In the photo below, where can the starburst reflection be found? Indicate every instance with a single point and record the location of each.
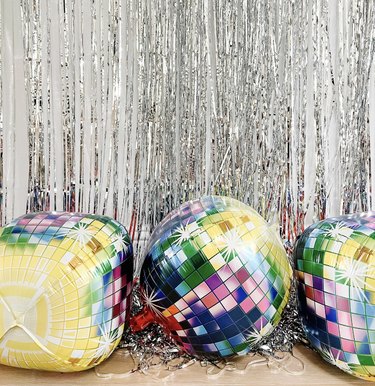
(81, 234)
(329, 357)
(106, 342)
(120, 242)
(353, 273)
(337, 231)
(151, 301)
(182, 233)
(230, 243)
(254, 336)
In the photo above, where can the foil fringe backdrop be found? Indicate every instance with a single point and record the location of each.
(129, 108)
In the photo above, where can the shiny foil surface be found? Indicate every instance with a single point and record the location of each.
(216, 277)
(336, 291)
(65, 290)
(130, 108)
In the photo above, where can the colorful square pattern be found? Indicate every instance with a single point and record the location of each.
(216, 276)
(335, 268)
(65, 287)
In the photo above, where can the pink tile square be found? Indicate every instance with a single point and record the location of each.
(319, 296)
(320, 310)
(202, 290)
(346, 332)
(179, 317)
(258, 276)
(30, 228)
(181, 304)
(109, 289)
(242, 275)
(235, 264)
(257, 295)
(232, 283)
(109, 301)
(229, 302)
(210, 300)
(358, 321)
(264, 304)
(224, 272)
(308, 279)
(117, 284)
(117, 273)
(333, 328)
(342, 304)
(342, 289)
(344, 318)
(247, 305)
(348, 345)
(329, 286)
(249, 285)
(117, 297)
(330, 300)
(221, 292)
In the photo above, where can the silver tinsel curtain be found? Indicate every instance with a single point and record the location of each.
(129, 108)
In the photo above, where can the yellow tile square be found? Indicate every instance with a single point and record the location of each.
(210, 250)
(217, 262)
(329, 272)
(370, 284)
(330, 259)
(214, 231)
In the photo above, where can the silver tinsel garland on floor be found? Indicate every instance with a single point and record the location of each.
(129, 108)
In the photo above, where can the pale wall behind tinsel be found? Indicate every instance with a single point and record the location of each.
(129, 108)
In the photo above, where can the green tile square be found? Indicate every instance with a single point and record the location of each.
(365, 360)
(317, 269)
(276, 303)
(206, 270)
(198, 260)
(307, 267)
(165, 245)
(189, 249)
(308, 254)
(186, 269)
(300, 265)
(240, 347)
(194, 279)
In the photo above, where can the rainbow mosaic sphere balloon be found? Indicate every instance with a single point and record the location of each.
(216, 277)
(65, 286)
(335, 268)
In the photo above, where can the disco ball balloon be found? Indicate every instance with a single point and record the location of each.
(65, 286)
(335, 268)
(215, 276)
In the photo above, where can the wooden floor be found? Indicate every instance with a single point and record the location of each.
(305, 368)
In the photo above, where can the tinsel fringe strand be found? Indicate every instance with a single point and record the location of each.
(129, 108)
